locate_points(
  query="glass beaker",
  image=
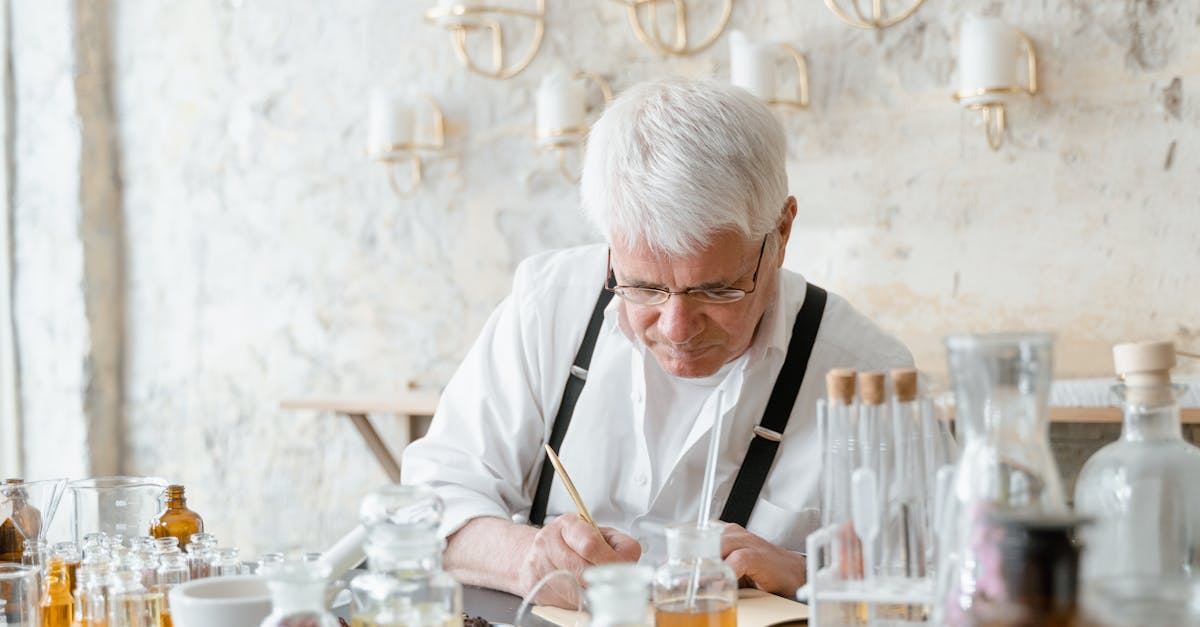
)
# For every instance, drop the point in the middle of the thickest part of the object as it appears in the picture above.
(19, 589)
(117, 506)
(1001, 383)
(297, 595)
(695, 588)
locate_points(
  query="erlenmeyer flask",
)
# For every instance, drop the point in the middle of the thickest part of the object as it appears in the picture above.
(1001, 384)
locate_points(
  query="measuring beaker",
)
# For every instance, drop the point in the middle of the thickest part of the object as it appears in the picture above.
(19, 595)
(121, 506)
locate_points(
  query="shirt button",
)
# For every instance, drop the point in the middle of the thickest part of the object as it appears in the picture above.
(640, 479)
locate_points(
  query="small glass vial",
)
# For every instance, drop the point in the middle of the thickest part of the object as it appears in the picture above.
(695, 588)
(68, 552)
(226, 563)
(173, 570)
(297, 595)
(618, 595)
(176, 520)
(130, 605)
(90, 608)
(200, 549)
(57, 606)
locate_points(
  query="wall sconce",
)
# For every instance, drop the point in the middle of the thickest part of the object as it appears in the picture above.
(680, 46)
(463, 16)
(392, 137)
(752, 67)
(561, 114)
(987, 70)
(877, 20)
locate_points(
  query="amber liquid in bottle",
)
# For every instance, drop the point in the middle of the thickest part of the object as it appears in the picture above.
(705, 613)
(57, 604)
(177, 520)
(12, 542)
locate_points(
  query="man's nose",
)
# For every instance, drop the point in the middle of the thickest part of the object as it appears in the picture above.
(680, 319)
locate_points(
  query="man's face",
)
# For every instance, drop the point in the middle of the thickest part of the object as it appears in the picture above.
(687, 337)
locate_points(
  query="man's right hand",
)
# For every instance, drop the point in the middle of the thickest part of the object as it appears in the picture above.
(569, 543)
(499, 554)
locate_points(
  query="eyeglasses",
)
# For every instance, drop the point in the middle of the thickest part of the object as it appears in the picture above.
(651, 296)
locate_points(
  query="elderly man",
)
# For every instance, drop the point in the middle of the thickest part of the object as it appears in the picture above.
(687, 183)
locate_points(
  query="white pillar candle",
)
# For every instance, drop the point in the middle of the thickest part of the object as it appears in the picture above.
(389, 123)
(751, 66)
(559, 107)
(468, 19)
(987, 57)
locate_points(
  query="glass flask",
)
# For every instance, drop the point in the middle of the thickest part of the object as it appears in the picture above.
(176, 520)
(297, 595)
(695, 588)
(21, 517)
(130, 604)
(405, 583)
(1001, 385)
(1141, 492)
(57, 604)
(618, 595)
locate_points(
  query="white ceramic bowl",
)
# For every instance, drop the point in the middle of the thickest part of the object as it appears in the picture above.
(231, 601)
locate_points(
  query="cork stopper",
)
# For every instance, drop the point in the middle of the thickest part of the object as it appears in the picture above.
(839, 385)
(870, 388)
(1144, 364)
(904, 382)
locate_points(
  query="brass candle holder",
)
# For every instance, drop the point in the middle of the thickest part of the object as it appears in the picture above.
(653, 38)
(877, 19)
(394, 156)
(461, 19)
(562, 140)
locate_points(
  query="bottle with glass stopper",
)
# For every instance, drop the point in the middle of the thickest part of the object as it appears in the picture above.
(1144, 566)
(695, 588)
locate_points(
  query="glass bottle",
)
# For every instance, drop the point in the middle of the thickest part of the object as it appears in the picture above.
(176, 520)
(905, 522)
(1001, 383)
(201, 548)
(297, 595)
(226, 562)
(22, 515)
(130, 605)
(90, 607)
(68, 552)
(618, 595)
(172, 570)
(57, 605)
(1141, 492)
(695, 588)
(405, 584)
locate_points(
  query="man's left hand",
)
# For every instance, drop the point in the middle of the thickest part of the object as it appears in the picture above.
(761, 564)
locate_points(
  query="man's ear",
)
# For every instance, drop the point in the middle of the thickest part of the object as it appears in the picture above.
(785, 227)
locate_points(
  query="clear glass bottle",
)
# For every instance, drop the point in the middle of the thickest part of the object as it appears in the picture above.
(695, 588)
(1001, 383)
(57, 606)
(68, 552)
(130, 604)
(1141, 491)
(201, 548)
(297, 595)
(618, 595)
(227, 562)
(176, 520)
(172, 570)
(90, 606)
(405, 584)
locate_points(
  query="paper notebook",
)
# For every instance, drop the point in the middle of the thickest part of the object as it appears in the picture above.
(755, 608)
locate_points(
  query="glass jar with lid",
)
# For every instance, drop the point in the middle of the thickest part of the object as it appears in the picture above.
(695, 587)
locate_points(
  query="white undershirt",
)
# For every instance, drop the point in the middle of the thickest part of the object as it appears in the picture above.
(672, 406)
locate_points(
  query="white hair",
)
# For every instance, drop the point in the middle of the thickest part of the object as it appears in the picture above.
(673, 162)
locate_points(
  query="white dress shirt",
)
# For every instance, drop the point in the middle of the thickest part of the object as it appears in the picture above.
(484, 450)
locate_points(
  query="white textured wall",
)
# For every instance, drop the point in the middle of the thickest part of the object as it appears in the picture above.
(266, 258)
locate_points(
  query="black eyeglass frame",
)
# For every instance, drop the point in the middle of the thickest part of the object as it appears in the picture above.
(703, 295)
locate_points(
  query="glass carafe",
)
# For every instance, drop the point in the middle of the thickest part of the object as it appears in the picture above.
(695, 588)
(1141, 493)
(1001, 385)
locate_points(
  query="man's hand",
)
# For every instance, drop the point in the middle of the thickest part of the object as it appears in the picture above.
(496, 553)
(568, 543)
(761, 564)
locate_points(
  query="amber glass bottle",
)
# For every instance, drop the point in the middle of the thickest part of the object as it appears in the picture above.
(176, 521)
(57, 602)
(12, 541)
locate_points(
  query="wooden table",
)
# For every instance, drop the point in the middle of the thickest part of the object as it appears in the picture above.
(415, 406)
